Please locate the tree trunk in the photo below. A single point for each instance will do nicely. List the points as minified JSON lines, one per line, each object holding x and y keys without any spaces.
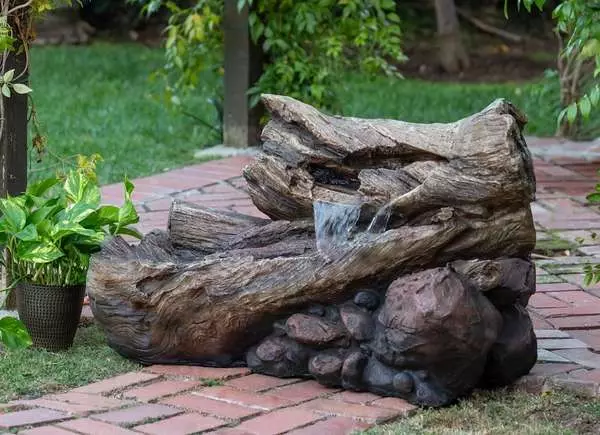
{"x":243,"y":67}
{"x":453,"y":55}
{"x":211,"y":287}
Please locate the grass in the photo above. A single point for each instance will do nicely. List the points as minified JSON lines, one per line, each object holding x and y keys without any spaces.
{"x":30,"y":373}
{"x":504,"y":413}
{"x":99,"y":99}
{"x":419,"y":101}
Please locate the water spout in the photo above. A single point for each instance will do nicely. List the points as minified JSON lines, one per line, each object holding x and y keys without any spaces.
{"x":334,"y":224}
{"x":381,"y":219}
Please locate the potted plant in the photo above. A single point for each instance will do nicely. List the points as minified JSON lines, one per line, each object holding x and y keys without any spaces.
{"x":49,"y":233}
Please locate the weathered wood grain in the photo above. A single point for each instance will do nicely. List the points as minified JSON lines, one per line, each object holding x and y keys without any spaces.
{"x":211,"y":287}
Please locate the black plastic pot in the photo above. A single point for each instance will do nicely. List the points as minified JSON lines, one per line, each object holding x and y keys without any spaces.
{"x":50,"y":313}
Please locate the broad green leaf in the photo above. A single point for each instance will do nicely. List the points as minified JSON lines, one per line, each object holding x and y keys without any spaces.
{"x":85,"y":245}
{"x":42,"y":213}
{"x":128,"y":231}
{"x":45,"y":228}
{"x":108,"y":214}
{"x":594,"y":197}
{"x":8,"y":76}
{"x":78,"y":212}
{"x":13,"y":333}
{"x":3,"y":232}
{"x":585,"y":106}
{"x":104,"y":215}
{"x":38,"y":252}
{"x":21,"y":89}
{"x":91,"y":194}
{"x":540,"y":4}
{"x":14,"y":214}
{"x":128,"y":188}
{"x":572,"y":113}
{"x":561,"y":117}
{"x":591,"y":48}
{"x":75,"y":186}
{"x":127,"y":213}
{"x":28,"y":234}
{"x":6,"y":90}
{"x":393,"y":17}
{"x":66,"y":228}
{"x":595,"y":96}
{"x":41,"y":187}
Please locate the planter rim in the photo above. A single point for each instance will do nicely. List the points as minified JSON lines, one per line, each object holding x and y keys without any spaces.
{"x":50,"y":286}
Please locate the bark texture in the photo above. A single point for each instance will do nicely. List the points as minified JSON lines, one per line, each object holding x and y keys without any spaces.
{"x":426,"y":305}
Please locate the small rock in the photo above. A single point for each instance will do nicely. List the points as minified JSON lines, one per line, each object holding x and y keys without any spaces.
{"x":367,"y":299}
{"x":326,"y":367}
{"x":403,"y":383}
{"x":316,"y":310}
{"x":352,"y":370}
{"x":279,"y":356}
{"x":315,"y":331}
{"x":357,"y":322}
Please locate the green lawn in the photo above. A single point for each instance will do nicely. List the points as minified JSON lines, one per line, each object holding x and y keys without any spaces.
{"x":99,"y":98}
{"x":418,"y":101}
{"x":504,"y":413}
{"x":31,"y":372}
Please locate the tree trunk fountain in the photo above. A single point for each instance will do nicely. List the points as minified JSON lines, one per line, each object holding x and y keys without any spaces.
{"x":397,"y":260}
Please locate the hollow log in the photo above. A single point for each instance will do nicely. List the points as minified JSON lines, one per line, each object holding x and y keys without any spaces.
{"x":427,"y":307}
{"x":479,"y":164}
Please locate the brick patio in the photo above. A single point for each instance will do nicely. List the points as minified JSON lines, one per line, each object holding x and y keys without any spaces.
{"x":176,"y":399}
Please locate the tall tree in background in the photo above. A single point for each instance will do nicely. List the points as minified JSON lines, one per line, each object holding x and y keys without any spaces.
{"x":453,"y":56}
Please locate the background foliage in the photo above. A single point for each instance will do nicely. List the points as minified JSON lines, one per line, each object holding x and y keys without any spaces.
{"x":305,"y":44}
{"x":579,"y":22}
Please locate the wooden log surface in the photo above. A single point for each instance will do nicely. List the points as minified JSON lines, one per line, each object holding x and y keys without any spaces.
{"x":212,"y":286}
{"x":308,"y":156}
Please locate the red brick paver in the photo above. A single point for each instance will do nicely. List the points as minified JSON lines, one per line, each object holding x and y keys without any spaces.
{"x":181,"y":425}
{"x":137,"y":414}
{"x":213,"y":407}
{"x":30,"y":417}
{"x":46,"y":430}
{"x":195,"y":372}
{"x":160,"y":389}
{"x":280,"y":421}
{"x":93,"y":427}
{"x":261,"y":401}
{"x":116,"y":383}
{"x":367,"y":413}
{"x":258,"y":383}
{"x":332,"y":426}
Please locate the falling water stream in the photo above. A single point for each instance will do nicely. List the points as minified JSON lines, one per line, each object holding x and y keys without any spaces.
{"x":335,"y":224}
{"x":381,"y":219}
